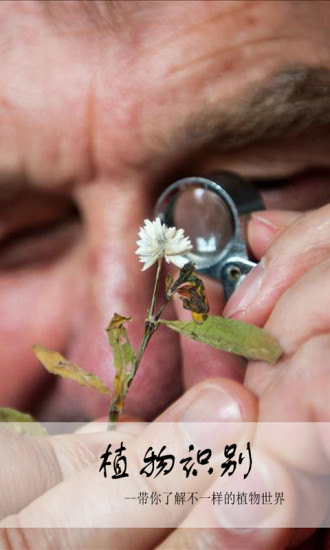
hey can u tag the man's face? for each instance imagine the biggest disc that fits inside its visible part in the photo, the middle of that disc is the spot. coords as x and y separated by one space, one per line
101 106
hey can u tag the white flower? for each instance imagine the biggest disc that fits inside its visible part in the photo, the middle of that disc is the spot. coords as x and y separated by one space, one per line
159 241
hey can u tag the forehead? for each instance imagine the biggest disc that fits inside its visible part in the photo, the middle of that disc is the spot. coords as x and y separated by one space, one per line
110 86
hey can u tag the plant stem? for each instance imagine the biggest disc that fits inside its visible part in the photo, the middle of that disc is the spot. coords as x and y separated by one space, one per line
162 307
145 339
154 294
151 325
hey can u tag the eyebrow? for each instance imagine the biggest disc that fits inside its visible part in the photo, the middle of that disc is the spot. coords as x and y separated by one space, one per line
294 102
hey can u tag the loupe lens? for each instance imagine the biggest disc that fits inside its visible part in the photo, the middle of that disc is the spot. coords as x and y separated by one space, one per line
212 210
206 219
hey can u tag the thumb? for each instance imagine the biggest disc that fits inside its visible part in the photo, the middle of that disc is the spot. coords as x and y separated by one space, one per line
57 458
265 226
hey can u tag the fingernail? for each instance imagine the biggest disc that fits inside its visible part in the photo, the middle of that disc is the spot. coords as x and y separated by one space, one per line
276 219
256 216
201 420
246 292
213 404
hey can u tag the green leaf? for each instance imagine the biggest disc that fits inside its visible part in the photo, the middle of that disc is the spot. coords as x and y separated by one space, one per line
124 359
231 335
20 422
118 339
55 363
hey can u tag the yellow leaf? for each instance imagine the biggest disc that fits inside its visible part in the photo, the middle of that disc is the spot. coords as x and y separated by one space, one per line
118 321
199 318
123 358
55 363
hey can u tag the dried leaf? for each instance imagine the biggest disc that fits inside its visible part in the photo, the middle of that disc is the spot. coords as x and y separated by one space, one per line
124 358
55 363
185 273
194 299
118 321
192 293
231 335
118 339
168 283
20 422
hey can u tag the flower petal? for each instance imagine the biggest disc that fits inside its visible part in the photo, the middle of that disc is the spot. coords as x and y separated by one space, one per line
159 241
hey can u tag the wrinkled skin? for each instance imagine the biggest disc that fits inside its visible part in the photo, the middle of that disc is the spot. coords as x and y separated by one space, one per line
92 114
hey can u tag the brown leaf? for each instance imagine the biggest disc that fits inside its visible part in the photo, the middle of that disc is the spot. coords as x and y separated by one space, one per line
118 321
192 293
194 299
186 272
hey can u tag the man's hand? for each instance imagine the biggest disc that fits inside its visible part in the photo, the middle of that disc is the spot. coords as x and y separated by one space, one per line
287 294
41 506
52 484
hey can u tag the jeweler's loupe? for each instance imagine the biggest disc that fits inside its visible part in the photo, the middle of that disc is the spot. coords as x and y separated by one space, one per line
212 211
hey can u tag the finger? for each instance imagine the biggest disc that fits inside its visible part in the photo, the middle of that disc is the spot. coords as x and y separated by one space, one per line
85 499
225 539
306 497
300 314
214 400
296 402
200 361
265 226
241 526
297 392
302 311
221 539
295 389
302 245
43 463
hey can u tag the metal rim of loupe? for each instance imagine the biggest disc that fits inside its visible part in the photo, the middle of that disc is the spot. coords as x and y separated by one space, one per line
165 207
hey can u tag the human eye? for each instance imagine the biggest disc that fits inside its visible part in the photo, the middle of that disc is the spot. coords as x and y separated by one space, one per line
36 227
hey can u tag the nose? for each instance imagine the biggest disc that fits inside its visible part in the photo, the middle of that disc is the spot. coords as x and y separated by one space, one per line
109 279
